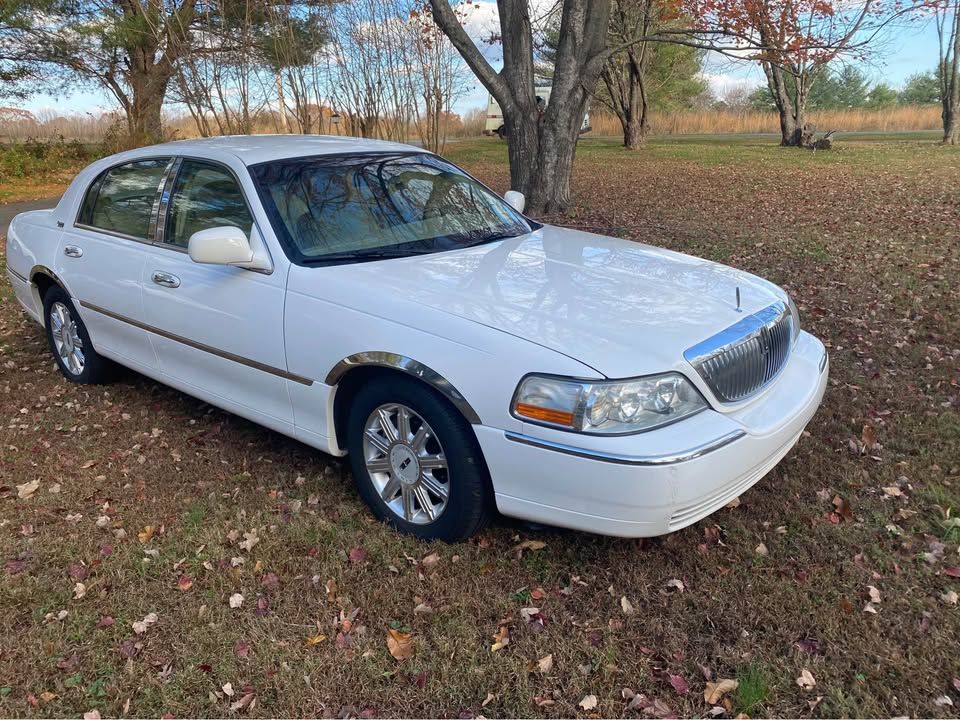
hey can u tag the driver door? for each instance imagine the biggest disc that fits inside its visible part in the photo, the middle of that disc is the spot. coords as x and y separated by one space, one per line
217 329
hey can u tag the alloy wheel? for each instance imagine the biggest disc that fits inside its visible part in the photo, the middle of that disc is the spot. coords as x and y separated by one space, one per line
66 338
406 463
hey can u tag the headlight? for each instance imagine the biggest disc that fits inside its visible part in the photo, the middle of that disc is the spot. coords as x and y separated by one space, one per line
606 408
795 315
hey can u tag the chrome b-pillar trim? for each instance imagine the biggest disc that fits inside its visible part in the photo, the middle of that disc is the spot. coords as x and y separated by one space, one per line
620 459
411 367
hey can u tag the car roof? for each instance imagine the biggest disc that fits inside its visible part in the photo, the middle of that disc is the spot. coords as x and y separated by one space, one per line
253 149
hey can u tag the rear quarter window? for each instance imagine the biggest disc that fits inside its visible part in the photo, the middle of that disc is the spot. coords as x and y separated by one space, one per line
122 198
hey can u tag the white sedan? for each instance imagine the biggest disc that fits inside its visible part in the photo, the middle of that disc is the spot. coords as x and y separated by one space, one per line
372 299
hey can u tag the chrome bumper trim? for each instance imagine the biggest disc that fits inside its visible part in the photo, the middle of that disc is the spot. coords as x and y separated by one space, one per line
17 275
823 360
666 459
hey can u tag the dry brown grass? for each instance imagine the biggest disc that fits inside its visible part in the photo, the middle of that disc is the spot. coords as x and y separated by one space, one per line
695 122
868 248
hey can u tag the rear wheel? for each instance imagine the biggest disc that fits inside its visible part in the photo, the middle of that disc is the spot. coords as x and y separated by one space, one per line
502 132
416 462
69 341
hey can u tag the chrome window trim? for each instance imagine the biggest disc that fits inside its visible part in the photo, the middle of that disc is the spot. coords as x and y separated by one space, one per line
256 365
163 200
621 459
742 331
411 367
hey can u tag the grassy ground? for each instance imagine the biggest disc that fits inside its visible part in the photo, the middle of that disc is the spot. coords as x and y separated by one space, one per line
840 563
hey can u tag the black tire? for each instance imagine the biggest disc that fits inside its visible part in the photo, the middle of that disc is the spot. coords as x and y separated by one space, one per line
96 369
502 132
469 504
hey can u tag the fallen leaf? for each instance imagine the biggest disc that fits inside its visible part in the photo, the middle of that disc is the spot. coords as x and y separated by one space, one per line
806 680
147 533
545 664
244 703
951 571
761 550
943 701
79 590
315 639
250 539
241 649
874 593
357 555
91 715
236 600
140 626
532 545
26 490
489 699
430 561
892 491
589 702
501 638
715 691
400 644
950 598
843 508
228 689
677 584
184 583
626 606
680 684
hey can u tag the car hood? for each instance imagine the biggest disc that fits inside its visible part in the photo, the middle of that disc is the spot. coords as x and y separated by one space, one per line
620 307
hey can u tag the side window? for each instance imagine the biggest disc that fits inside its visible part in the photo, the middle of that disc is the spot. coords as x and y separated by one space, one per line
122 199
204 196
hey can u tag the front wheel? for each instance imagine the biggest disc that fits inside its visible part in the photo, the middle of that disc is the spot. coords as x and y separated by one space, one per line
416 461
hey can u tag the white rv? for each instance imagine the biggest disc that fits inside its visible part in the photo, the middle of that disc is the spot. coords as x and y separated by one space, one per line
495 126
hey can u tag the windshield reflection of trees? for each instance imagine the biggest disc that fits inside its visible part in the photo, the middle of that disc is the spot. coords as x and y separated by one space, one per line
415 203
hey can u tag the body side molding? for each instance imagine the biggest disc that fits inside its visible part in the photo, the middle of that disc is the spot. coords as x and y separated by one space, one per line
409 366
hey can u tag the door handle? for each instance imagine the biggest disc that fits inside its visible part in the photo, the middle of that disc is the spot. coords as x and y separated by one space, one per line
166 279
72 251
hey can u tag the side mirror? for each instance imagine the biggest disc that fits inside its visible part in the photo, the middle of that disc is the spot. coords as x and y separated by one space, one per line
515 199
226 245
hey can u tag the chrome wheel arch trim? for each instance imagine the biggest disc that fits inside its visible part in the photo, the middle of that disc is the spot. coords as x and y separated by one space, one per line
409 366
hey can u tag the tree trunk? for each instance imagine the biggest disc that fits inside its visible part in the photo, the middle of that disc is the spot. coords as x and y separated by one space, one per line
541 147
950 81
791 109
143 115
281 98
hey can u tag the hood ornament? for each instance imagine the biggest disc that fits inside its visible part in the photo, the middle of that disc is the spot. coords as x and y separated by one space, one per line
739 309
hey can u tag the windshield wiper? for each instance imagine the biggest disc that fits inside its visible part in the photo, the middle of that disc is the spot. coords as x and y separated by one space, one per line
361 255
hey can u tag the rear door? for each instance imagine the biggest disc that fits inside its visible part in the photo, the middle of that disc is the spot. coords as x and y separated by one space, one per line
101 257
217 328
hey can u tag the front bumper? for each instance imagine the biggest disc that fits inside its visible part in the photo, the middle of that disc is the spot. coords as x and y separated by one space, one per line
657 482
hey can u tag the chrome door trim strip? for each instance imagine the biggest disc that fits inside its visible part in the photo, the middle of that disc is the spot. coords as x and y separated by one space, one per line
620 459
200 346
17 275
411 367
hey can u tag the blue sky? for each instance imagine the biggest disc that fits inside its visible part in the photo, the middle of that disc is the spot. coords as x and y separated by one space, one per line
907 51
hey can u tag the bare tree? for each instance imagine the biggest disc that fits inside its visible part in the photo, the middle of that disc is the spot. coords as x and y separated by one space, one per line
541 145
948 28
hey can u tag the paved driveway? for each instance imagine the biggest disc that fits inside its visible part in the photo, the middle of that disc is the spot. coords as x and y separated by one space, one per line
8 210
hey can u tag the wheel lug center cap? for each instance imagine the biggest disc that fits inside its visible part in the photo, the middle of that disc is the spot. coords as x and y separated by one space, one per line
404 463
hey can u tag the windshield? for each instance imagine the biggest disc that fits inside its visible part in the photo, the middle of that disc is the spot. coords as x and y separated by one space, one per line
346 208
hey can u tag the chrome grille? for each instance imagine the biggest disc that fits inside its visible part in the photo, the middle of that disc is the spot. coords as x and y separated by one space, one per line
747 356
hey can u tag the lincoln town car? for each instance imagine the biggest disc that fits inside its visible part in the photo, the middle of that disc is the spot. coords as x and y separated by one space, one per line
375 301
